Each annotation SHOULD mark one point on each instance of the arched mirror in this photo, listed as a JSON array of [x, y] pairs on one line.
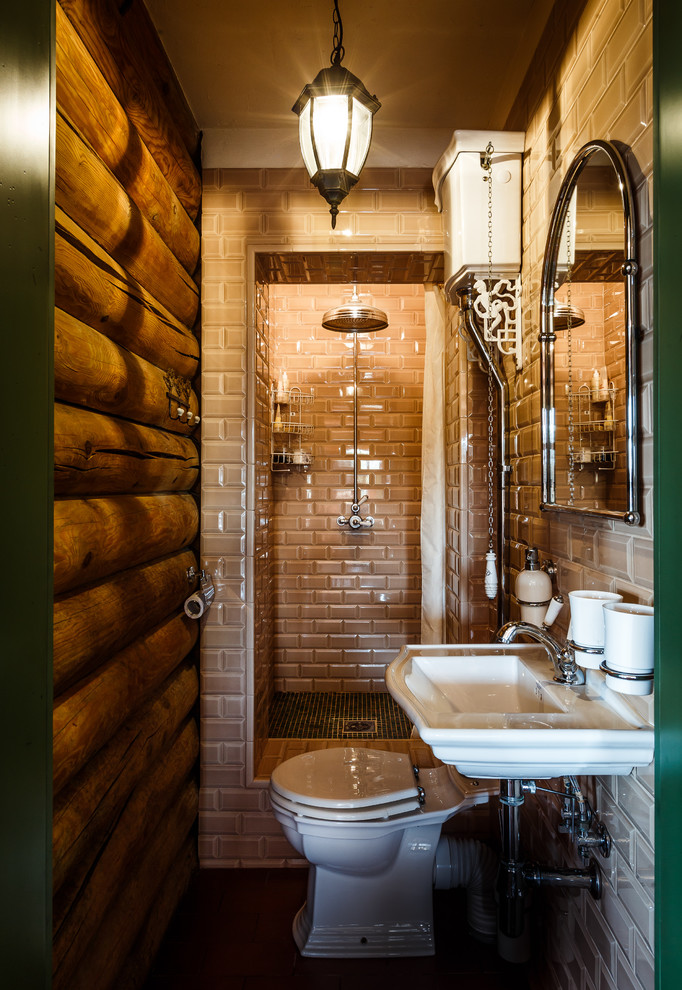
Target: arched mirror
[[588, 342]]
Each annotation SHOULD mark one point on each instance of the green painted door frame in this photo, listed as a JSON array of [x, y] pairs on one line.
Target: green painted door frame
[[26, 274], [26, 318], [668, 486]]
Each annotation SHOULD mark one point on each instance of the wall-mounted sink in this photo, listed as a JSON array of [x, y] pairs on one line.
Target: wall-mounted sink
[[495, 711]]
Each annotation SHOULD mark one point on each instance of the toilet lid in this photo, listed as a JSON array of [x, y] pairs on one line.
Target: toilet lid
[[352, 779]]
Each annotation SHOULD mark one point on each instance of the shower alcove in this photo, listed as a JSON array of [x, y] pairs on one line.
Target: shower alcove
[[333, 606]]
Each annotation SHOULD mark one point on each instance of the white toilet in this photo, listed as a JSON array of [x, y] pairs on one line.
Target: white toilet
[[369, 825]]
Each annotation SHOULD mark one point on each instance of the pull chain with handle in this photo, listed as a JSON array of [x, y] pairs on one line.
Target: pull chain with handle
[[569, 344], [490, 581]]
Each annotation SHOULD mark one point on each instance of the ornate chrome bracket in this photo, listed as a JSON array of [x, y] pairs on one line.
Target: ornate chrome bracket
[[500, 313]]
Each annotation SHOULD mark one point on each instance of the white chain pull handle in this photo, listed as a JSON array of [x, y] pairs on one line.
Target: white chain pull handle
[[490, 581]]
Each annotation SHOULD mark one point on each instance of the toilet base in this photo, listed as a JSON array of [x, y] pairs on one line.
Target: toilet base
[[354, 941], [370, 884], [386, 912]]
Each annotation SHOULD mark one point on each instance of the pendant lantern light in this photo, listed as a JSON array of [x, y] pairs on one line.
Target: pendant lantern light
[[335, 114]]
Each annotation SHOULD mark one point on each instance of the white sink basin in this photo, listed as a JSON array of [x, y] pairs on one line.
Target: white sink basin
[[495, 711]]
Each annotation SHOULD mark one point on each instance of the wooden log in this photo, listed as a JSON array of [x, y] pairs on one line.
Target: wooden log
[[99, 536], [105, 955], [82, 184], [91, 625], [99, 455], [88, 101], [95, 289], [86, 717], [80, 909], [91, 370], [133, 75], [175, 885], [87, 808], [141, 28]]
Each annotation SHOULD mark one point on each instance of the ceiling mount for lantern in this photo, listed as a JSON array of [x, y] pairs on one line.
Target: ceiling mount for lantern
[[335, 114]]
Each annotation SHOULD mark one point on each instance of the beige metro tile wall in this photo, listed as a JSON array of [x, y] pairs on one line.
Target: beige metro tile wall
[[592, 78], [469, 616], [347, 600], [244, 210], [261, 560]]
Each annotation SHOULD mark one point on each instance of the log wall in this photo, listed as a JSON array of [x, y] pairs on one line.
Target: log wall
[[126, 517]]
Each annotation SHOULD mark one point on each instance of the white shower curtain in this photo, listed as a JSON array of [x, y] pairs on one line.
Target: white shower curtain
[[433, 471]]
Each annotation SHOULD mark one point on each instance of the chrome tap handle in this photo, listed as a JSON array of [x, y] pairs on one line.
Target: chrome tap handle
[[357, 522], [562, 657]]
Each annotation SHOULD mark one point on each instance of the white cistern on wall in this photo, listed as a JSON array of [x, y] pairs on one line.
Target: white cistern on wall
[[482, 232]]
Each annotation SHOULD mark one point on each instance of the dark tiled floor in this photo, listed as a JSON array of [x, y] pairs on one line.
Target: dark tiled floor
[[233, 932], [332, 715]]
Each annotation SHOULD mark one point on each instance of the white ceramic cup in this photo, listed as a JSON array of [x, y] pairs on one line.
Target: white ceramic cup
[[629, 637], [587, 616]]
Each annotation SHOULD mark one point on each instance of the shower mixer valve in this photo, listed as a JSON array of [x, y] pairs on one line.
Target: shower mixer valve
[[355, 520]]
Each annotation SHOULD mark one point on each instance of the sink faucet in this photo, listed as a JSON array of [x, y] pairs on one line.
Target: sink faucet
[[562, 657]]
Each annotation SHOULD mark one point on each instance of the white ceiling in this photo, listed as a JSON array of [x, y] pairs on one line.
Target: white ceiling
[[435, 66]]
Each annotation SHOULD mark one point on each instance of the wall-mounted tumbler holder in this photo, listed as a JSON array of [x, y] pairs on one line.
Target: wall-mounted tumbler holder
[[199, 603]]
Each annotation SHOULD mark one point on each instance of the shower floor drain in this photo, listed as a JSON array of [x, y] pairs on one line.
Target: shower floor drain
[[333, 715], [353, 726]]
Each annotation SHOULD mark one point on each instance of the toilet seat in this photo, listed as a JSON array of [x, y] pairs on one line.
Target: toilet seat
[[349, 784], [370, 830], [369, 814]]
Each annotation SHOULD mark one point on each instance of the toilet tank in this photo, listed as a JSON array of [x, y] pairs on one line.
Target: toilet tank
[[462, 197]]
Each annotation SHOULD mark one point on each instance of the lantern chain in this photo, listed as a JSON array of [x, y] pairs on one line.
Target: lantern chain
[[338, 51]]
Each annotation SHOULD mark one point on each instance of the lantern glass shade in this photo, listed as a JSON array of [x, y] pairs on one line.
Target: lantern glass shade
[[330, 126], [360, 137], [335, 130], [305, 139]]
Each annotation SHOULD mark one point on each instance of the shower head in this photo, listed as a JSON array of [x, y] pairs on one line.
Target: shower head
[[355, 316], [562, 312]]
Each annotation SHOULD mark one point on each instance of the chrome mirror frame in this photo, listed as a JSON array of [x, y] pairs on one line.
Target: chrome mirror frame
[[547, 338]]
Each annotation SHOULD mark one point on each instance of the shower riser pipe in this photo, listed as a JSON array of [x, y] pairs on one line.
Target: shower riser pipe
[[355, 520]]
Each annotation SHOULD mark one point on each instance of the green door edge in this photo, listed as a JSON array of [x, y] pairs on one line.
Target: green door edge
[[26, 454], [26, 210], [668, 486]]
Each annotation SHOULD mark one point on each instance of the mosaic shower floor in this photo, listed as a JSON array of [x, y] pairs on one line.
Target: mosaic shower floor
[[331, 715]]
